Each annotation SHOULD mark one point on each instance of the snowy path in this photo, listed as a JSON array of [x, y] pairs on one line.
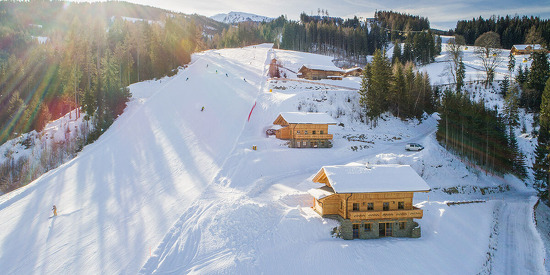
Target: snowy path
[[520, 249]]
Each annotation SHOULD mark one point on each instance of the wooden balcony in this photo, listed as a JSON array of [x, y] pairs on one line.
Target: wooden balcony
[[415, 213], [312, 136]]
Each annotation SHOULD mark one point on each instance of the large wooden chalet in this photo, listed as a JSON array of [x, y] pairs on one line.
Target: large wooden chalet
[[316, 72], [526, 49], [305, 130], [370, 201]]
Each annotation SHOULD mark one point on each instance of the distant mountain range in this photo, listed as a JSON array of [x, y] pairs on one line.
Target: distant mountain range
[[237, 17]]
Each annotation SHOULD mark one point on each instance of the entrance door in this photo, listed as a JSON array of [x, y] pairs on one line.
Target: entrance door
[[385, 229], [389, 229], [381, 229], [355, 231]]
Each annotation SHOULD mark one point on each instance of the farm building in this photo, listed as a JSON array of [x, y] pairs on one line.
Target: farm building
[[370, 201], [526, 49], [316, 72], [305, 130], [355, 71]]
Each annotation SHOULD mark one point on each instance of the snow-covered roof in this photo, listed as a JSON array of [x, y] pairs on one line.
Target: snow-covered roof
[[322, 68], [322, 192], [353, 69], [376, 178], [523, 47], [306, 118]]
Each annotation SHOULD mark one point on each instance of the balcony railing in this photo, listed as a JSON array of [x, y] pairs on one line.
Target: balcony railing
[[392, 214], [312, 136]]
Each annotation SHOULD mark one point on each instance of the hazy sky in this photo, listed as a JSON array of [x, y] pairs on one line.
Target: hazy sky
[[442, 14]]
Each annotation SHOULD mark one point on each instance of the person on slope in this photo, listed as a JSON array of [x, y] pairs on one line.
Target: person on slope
[[54, 210], [202, 108]]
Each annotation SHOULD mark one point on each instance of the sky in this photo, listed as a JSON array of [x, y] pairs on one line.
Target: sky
[[443, 14]]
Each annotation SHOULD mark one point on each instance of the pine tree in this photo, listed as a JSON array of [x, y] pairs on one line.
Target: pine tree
[[511, 62], [438, 45], [396, 52], [378, 77], [460, 76], [541, 165], [504, 85]]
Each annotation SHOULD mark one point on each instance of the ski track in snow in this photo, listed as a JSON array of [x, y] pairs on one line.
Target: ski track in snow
[[169, 189]]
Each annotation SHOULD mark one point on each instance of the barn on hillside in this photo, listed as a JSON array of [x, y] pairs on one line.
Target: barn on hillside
[[317, 72]]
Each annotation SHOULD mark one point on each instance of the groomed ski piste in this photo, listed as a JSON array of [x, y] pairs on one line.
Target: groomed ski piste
[[171, 189]]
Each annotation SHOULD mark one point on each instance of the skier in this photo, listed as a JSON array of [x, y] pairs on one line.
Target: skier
[[187, 79], [244, 79], [226, 75], [202, 108], [54, 210]]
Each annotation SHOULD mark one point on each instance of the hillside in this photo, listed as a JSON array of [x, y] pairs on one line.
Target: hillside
[[171, 189]]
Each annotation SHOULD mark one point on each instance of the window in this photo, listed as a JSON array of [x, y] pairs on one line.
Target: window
[[402, 225], [401, 205], [298, 132], [355, 206], [303, 143], [321, 132], [370, 206], [341, 205], [367, 227], [305, 132], [386, 206], [313, 132]]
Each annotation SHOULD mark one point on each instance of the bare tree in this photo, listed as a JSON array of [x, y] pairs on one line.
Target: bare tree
[[489, 52], [454, 48]]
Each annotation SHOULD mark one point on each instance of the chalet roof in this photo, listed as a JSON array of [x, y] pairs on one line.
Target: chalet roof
[[353, 69], [523, 47], [377, 178], [322, 68], [322, 192], [304, 118]]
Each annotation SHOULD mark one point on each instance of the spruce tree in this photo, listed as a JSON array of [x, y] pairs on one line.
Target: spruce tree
[[511, 62], [460, 76], [540, 167], [396, 52]]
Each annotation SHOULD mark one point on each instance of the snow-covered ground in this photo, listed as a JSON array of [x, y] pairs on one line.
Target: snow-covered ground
[[171, 189]]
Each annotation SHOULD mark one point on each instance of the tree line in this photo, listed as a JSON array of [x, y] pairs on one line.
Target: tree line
[[512, 30], [399, 89], [87, 61]]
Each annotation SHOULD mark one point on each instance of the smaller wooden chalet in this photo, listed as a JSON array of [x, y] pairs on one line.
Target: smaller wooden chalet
[[305, 130], [370, 201], [316, 72], [355, 71], [526, 49]]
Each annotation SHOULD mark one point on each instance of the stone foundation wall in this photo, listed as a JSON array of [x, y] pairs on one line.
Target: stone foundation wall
[[320, 143], [345, 230]]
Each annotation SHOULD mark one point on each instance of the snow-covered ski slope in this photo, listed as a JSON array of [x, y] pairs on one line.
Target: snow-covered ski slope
[[171, 189]]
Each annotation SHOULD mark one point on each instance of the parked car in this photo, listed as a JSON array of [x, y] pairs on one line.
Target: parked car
[[413, 147]]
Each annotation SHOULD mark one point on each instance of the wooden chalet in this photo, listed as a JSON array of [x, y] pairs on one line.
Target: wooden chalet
[[305, 130], [355, 71], [526, 49], [316, 72], [370, 201]]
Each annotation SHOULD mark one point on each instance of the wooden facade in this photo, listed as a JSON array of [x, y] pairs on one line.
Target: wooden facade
[[319, 72], [304, 134], [368, 214], [526, 49]]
